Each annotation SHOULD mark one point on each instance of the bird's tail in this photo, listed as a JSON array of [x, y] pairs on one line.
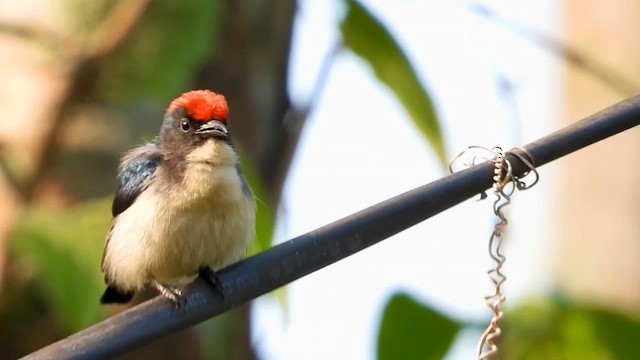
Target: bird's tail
[[113, 295]]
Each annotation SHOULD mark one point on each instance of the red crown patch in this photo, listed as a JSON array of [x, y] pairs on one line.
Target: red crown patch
[[202, 105]]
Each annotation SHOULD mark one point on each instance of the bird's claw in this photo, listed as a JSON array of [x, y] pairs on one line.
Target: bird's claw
[[171, 293], [211, 277]]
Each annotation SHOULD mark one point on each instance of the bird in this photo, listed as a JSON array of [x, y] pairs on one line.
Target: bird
[[182, 208]]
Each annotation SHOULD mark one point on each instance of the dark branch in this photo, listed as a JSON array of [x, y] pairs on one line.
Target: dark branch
[[296, 258], [251, 68]]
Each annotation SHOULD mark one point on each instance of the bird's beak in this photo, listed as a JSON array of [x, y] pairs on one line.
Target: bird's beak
[[213, 128]]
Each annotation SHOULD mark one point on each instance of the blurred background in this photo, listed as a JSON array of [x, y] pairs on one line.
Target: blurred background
[[335, 105]]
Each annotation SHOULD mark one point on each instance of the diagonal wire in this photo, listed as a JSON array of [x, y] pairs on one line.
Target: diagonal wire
[[310, 252]]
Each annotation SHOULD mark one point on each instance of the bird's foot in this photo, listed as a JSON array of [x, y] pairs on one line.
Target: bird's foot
[[171, 293], [210, 276]]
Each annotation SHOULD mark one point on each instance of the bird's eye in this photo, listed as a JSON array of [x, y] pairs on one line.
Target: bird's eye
[[184, 125]]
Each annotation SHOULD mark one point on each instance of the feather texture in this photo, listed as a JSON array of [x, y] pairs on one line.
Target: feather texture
[[167, 231]]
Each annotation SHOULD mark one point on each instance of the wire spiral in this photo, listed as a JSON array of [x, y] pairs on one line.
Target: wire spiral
[[504, 185], [502, 176]]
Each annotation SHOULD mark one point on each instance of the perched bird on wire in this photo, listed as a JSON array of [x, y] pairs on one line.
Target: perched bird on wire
[[182, 208]]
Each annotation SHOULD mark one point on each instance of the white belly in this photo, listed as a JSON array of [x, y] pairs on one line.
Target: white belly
[[169, 236]]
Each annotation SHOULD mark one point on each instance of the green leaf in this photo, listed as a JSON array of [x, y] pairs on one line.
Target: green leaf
[[410, 330], [370, 40], [64, 248], [159, 57], [619, 333], [559, 329]]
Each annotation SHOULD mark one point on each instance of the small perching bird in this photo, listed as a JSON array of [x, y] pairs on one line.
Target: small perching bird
[[182, 208]]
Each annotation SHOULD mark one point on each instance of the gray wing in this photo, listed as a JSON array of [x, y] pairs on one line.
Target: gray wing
[[245, 185], [136, 170]]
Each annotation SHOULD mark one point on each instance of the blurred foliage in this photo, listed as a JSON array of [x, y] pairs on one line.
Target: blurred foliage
[[544, 328], [82, 16], [555, 328], [410, 330], [370, 40], [265, 213], [159, 57], [65, 249], [265, 222]]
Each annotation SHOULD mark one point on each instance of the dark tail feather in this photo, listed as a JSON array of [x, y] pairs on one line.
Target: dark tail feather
[[112, 295]]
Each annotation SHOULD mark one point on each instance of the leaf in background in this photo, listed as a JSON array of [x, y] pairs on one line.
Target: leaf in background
[[159, 57], [93, 12], [560, 329], [370, 40], [65, 248], [619, 333], [410, 330]]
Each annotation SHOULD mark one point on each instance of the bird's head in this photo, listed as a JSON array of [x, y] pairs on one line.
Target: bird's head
[[191, 120]]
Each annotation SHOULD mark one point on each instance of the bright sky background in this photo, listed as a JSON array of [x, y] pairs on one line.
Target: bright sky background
[[359, 148]]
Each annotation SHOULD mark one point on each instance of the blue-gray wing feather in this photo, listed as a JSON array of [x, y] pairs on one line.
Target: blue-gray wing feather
[[136, 171]]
